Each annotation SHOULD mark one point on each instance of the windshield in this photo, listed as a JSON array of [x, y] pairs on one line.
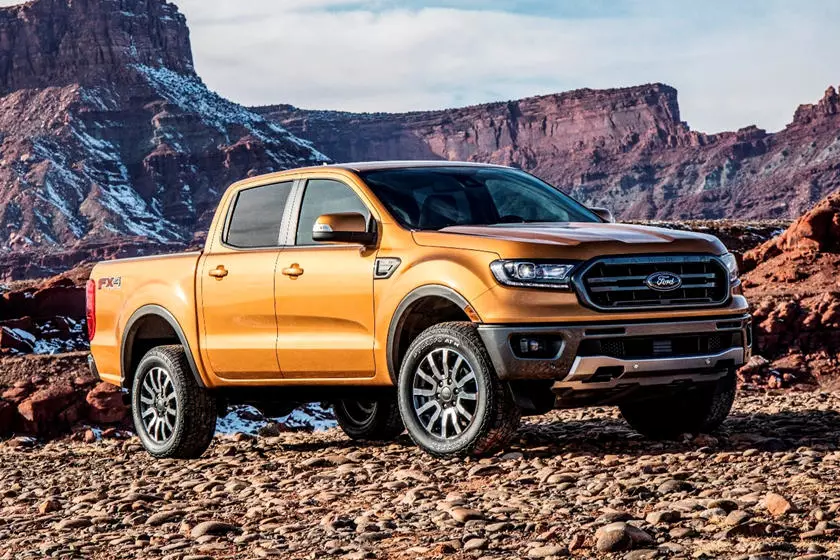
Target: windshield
[[431, 198]]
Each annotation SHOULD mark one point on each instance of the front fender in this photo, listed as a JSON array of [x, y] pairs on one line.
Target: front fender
[[457, 275], [402, 311]]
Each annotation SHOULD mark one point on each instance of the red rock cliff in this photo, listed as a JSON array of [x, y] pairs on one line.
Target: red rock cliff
[[89, 42], [622, 148]]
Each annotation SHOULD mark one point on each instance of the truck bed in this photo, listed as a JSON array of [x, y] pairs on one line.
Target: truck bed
[[123, 287]]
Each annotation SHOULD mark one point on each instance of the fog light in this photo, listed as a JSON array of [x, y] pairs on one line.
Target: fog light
[[531, 345]]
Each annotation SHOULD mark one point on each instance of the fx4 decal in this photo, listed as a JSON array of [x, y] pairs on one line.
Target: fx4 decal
[[112, 283]]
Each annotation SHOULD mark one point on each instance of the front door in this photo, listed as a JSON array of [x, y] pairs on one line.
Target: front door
[[324, 294], [237, 286]]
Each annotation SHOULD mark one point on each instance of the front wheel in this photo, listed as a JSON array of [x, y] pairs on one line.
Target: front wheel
[[373, 420], [174, 417], [451, 401], [699, 409]]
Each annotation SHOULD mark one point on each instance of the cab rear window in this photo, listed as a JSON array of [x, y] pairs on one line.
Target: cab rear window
[[257, 216]]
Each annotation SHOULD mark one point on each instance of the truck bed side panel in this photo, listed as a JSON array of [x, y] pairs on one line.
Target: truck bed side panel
[[166, 281]]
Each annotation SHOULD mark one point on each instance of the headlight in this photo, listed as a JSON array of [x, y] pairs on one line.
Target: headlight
[[527, 274], [731, 264]]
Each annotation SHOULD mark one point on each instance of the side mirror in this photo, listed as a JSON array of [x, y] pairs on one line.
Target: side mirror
[[604, 214], [343, 227]]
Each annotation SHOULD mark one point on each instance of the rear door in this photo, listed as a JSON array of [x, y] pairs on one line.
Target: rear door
[[237, 285]]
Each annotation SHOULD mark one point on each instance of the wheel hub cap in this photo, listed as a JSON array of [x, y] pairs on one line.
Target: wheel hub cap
[[158, 405], [445, 393]]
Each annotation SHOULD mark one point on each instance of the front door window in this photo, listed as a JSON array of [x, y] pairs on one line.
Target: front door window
[[325, 196]]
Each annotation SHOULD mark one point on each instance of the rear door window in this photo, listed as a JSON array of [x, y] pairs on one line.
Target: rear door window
[[257, 216]]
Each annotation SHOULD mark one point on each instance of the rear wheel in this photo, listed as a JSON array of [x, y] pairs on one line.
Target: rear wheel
[[700, 409], [375, 419], [174, 417], [451, 401]]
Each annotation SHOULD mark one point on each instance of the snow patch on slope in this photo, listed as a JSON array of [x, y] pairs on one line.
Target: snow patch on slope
[[66, 185], [191, 95], [61, 187]]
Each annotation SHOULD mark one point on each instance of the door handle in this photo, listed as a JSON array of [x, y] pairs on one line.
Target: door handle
[[293, 271], [219, 272]]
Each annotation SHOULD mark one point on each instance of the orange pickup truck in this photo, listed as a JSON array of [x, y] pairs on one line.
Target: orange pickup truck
[[445, 299]]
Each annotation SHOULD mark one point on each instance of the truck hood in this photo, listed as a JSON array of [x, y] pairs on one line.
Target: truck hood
[[573, 240]]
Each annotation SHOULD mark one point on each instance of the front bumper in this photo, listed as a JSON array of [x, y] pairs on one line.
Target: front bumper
[[572, 369]]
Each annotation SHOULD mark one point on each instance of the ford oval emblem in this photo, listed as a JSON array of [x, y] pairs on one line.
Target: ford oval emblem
[[663, 281]]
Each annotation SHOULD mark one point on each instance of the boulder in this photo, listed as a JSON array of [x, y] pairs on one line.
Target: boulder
[[105, 405], [51, 409], [16, 340], [777, 504], [15, 395], [61, 300], [817, 230], [619, 536]]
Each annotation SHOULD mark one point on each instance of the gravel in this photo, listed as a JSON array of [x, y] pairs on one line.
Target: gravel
[[574, 484]]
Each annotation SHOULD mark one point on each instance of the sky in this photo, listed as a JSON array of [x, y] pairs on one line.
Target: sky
[[734, 62]]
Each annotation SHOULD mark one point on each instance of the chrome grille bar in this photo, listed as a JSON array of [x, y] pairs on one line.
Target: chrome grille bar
[[608, 279], [645, 288]]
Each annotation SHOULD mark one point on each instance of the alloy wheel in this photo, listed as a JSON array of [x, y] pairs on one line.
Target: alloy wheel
[[158, 405], [445, 393]]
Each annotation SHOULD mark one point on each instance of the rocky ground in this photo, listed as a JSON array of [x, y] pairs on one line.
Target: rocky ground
[[576, 483]]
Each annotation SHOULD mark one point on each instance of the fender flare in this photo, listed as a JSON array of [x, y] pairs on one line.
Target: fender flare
[[130, 332], [398, 319]]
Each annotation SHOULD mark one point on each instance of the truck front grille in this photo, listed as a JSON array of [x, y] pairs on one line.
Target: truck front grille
[[622, 283]]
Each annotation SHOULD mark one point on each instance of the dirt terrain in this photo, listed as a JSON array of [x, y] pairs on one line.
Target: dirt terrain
[[575, 483]]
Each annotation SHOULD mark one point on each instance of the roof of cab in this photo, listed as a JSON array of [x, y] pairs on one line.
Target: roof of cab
[[356, 167], [360, 166]]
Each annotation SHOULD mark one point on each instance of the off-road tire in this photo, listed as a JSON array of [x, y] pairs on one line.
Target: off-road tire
[[496, 418], [196, 410], [700, 409], [374, 420]]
